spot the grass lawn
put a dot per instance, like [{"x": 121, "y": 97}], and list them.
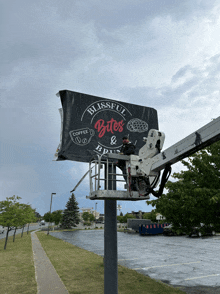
[
  {"x": 82, "y": 271},
  {"x": 17, "y": 272}
]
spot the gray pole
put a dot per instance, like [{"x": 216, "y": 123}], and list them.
[
  {"x": 95, "y": 213},
  {"x": 110, "y": 242},
  {"x": 50, "y": 211}
]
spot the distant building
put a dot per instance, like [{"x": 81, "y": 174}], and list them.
[
  {"x": 159, "y": 217},
  {"x": 89, "y": 210},
  {"x": 137, "y": 214}
]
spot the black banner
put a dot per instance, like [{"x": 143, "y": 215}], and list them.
[{"x": 95, "y": 125}]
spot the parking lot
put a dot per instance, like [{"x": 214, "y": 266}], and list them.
[{"x": 190, "y": 263}]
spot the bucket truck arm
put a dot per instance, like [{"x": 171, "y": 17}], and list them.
[{"x": 151, "y": 161}]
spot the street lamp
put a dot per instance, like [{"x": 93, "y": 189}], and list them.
[
  {"x": 119, "y": 207},
  {"x": 50, "y": 211}
]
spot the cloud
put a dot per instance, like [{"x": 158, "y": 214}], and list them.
[{"x": 161, "y": 54}]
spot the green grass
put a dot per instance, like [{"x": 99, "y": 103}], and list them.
[
  {"x": 82, "y": 271},
  {"x": 17, "y": 272}
]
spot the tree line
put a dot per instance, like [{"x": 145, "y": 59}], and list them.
[
  {"x": 14, "y": 215},
  {"x": 69, "y": 217},
  {"x": 194, "y": 195}
]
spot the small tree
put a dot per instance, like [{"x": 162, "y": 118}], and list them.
[
  {"x": 88, "y": 217},
  {"x": 91, "y": 217},
  {"x": 120, "y": 218},
  {"x": 29, "y": 215},
  {"x": 48, "y": 217},
  {"x": 71, "y": 214},
  {"x": 152, "y": 215},
  {"x": 14, "y": 214},
  {"x": 38, "y": 216},
  {"x": 85, "y": 216},
  {"x": 25, "y": 214},
  {"x": 126, "y": 216},
  {"x": 54, "y": 217},
  {"x": 57, "y": 216},
  {"x": 8, "y": 209}
]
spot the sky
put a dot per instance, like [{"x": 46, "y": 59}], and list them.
[{"x": 155, "y": 53}]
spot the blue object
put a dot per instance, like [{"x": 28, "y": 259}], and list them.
[{"x": 152, "y": 229}]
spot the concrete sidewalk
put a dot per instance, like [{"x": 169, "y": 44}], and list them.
[{"x": 48, "y": 281}]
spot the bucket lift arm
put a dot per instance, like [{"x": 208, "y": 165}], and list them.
[{"x": 145, "y": 168}]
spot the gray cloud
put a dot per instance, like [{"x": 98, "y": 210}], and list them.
[
  {"x": 203, "y": 81},
  {"x": 142, "y": 52}
]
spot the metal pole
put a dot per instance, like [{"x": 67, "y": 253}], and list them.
[
  {"x": 95, "y": 213},
  {"x": 50, "y": 211},
  {"x": 110, "y": 241}
]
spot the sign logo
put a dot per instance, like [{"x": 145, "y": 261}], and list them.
[
  {"x": 107, "y": 122},
  {"x": 82, "y": 137}
]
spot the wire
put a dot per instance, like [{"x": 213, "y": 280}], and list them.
[{"x": 165, "y": 177}]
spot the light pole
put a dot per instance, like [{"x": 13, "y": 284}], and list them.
[
  {"x": 119, "y": 208},
  {"x": 50, "y": 211},
  {"x": 95, "y": 213}
]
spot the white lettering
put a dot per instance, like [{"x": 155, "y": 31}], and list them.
[
  {"x": 98, "y": 148},
  {"x": 123, "y": 111},
  {"x": 113, "y": 105},
  {"x": 108, "y": 104},
  {"x": 105, "y": 151},
  {"x": 103, "y": 105},
  {"x": 91, "y": 110},
  {"x": 80, "y": 132}
]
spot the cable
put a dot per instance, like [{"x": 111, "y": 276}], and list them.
[{"x": 165, "y": 177}]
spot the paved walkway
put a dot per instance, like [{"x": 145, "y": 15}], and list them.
[{"x": 48, "y": 281}]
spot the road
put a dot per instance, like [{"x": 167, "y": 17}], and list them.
[{"x": 18, "y": 231}]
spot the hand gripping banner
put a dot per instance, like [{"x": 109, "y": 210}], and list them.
[{"x": 93, "y": 125}]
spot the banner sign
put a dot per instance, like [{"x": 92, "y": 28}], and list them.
[{"x": 93, "y": 125}]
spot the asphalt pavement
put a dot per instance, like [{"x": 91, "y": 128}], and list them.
[{"x": 189, "y": 263}]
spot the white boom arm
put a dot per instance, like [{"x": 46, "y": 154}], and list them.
[
  {"x": 146, "y": 166},
  {"x": 150, "y": 161},
  {"x": 203, "y": 137}
]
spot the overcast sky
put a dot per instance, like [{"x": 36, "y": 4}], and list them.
[{"x": 156, "y": 53}]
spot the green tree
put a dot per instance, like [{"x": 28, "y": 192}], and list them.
[
  {"x": 120, "y": 218},
  {"x": 153, "y": 215},
  {"x": 70, "y": 216},
  {"x": 57, "y": 216},
  {"x": 48, "y": 217},
  {"x": 85, "y": 216},
  {"x": 8, "y": 213},
  {"x": 38, "y": 216},
  {"x": 28, "y": 215},
  {"x": 194, "y": 197},
  {"x": 53, "y": 217},
  {"x": 14, "y": 214},
  {"x": 146, "y": 215},
  {"x": 91, "y": 217},
  {"x": 126, "y": 216}
]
